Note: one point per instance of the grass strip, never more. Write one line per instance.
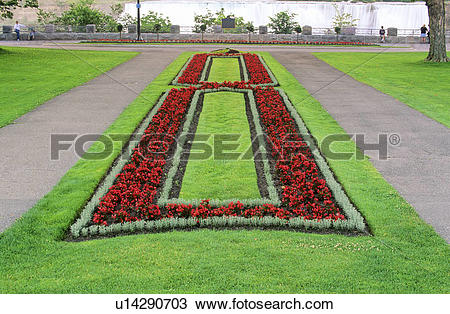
(421, 85)
(220, 177)
(224, 69)
(22, 87)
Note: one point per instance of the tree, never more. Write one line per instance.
(154, 22)
(283, 23)
(342, 19)
(210, 19)
(436, 13)
(298, 30)
(7, 7)
(44, 17)
(82, 13)
(206, 19)
(202, 29)
(250, 29)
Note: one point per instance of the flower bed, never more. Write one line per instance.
(254, 70)
(135, 194)
(242, 42)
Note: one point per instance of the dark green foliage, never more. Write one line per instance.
(7, 7)
(209, 19)
(82, 13)
(283, 23)
(250, 27)
(154, 22)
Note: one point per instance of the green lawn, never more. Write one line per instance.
(404, 255)
(32, 76)
(405, 76)
(224, 69)
(223, 113)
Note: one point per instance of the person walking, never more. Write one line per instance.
(17, 27)
(423, 33)
(382, 34)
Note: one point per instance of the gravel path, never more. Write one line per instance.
(419, 168)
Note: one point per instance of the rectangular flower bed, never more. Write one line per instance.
(253, 69)
(297, 188)
(302, 193)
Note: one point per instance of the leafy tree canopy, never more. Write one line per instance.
(342, 19)
(209, 19)
(283, 23)
(7, 7)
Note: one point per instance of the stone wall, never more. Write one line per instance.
(244, 37)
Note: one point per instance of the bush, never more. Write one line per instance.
(154, 22)
(283, 23)
(80, 13)
(209, 19)
(342, 19)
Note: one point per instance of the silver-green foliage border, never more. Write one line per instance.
(102, 189)
(354, 218)
(210, 59)
(298, 223)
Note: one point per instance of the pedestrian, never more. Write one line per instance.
(423, 33)
(17, 27)
(32, 33)
(382, 34)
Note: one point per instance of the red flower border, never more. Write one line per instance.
(234, 41)
(304, 191)
(257, 72)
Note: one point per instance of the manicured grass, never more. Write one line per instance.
(224, 69)
(32, 76)
(404, 255)
(218, 177)
(405, 76)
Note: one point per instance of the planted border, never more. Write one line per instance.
(180, 215)
(273, 197)
(196, 70)
(235, 41)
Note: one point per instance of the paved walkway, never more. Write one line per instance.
(419, 168)
(26, 171)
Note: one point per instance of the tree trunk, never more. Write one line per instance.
(436, 13)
